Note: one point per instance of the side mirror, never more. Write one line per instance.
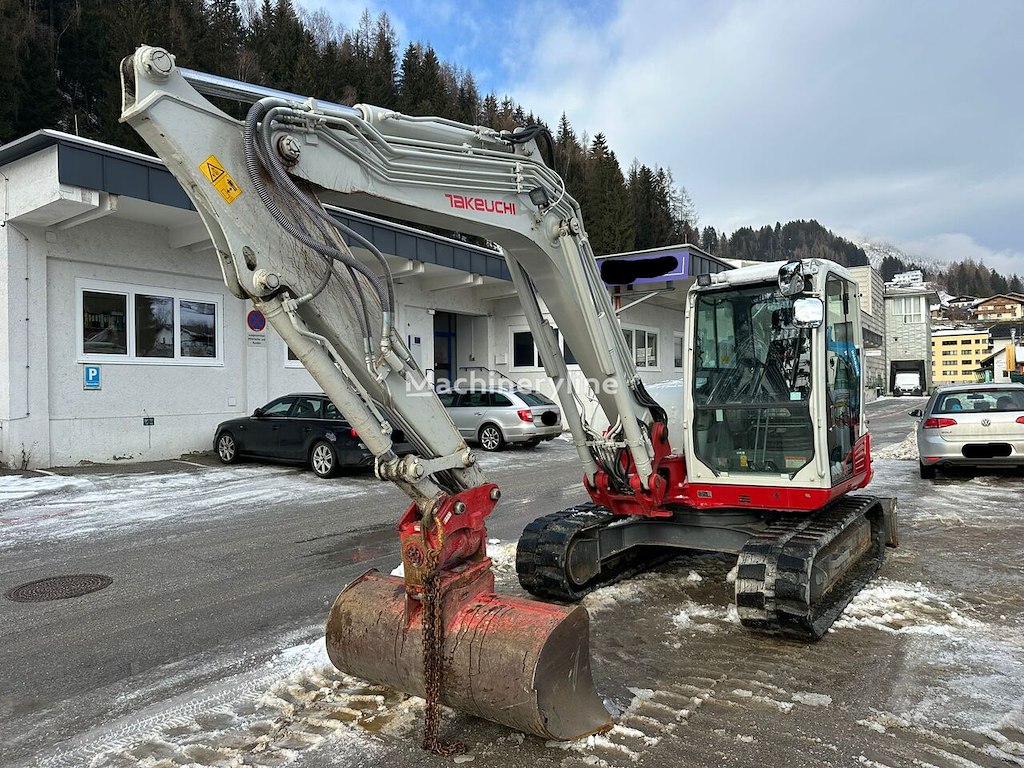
(258, 412)
(917, 413)
(808, 312)
(791, 278)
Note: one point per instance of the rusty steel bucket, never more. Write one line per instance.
(517, 662)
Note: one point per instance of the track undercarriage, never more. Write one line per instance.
(795, 572)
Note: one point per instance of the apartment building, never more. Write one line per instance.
(957, 354)
(1005, 306)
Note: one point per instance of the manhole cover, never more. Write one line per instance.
(58, 588)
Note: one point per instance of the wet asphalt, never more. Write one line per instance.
(926, 673)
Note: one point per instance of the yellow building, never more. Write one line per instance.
(957, 354)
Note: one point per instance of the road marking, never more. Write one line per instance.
(191, 463)
(44, 472)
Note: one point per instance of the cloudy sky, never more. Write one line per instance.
(899, 121)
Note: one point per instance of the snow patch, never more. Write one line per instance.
(700, 618)
(55, 506)
(271, 716)
(906, 450)
(892, 606)
(812, 699)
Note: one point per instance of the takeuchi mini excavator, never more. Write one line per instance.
(756, 451)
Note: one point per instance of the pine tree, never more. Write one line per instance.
(709, 240)
(381, 69)
(606, 204)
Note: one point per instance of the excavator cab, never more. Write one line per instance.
(772, 358)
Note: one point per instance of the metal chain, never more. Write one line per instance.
(433, 640)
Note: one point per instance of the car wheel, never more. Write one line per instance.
(927, 473)
(491, 438)
(533, 442)
(227, 448)
(323, 459)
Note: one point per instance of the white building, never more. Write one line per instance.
(913, 278)
(120, 342)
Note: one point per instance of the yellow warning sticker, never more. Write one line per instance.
(220, 178)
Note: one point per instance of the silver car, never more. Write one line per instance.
(971, 425)
(496, 416)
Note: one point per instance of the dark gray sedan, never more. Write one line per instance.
(971, 425)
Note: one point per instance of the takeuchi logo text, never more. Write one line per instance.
(481, 204)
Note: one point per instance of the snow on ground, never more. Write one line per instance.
(697, 617)
(954, 668)
(55, 506)
(298, 702)
(906, 450)
(892, 606)
(14, 488)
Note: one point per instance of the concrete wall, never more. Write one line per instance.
(185, 399)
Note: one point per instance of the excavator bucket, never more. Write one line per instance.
(517, 662)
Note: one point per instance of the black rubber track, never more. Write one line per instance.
(542, 550)
(774, 569)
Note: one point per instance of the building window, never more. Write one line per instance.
(198, 329)
(144, 325)
(949, 343)
(643, 344)
(154, 326)
(677, 351)
(570, 358)
(911, 308)
(104, 323)
(525, 354)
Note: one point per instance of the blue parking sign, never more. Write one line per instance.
(91, 377)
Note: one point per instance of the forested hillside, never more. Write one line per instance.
(795, 240)
(59, 69)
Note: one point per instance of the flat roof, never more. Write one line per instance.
(106, 168)
(958, 331)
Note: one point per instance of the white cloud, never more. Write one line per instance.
(892, 118)
(901, 120)
(949, 247)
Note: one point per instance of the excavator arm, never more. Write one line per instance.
(261, 187)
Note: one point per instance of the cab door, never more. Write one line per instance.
(843, 377)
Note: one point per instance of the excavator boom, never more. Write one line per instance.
(261, 186)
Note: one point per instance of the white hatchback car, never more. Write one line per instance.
(971, 425)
